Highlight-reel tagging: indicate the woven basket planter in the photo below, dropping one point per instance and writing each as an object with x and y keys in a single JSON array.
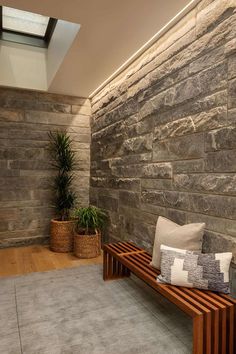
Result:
[
  {"x": 61, "y": 235},
  {"x": 87, "y": 246}
]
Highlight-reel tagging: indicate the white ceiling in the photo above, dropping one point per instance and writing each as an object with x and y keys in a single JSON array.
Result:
[{"x": 111, "y": 31}]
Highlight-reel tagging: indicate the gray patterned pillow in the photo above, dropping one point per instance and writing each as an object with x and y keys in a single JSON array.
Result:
[{"x": 209, "y": 271}]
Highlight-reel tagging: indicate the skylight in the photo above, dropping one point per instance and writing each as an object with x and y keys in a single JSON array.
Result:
[
  {"x": 25, "y": 27},
  {"x": 24, "y": 22}
]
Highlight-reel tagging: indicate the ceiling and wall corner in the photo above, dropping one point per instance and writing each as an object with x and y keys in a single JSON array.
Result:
[{"x": 111, "y": 35}]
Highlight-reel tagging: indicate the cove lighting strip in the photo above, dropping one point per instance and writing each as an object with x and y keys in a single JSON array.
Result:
[{"x": 147, "y": 45}]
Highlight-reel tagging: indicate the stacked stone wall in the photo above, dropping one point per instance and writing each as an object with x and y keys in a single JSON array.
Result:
[
  {"x": 26, "y": 171},
  {"x": 164, "y": 133}
]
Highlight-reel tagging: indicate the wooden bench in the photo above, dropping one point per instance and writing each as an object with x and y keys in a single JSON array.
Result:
[{"x": 213, "y": 314}]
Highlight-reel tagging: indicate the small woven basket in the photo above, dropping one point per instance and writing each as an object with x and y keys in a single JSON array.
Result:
[
  {"x": 62, "y": 234},
  {"x": 87, "y": 246}
]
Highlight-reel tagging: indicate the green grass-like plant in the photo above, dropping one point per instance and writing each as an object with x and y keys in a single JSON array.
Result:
[
  {"x": 63, "y": 156},
  {"x": 90, "y": 220}
]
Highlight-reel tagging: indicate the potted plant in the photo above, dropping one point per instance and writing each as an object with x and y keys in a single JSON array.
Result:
[
  {"x": 87, "y": 240},
  {"x": 63, "y": 160}
]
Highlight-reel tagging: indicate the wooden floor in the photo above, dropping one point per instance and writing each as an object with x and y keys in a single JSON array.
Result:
[{"x": 37, "y": 258}]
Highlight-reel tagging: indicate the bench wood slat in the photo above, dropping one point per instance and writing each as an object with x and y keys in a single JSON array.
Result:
[
  {"x": 142, "y": 266},
  {"x": 138, "y": 250},
  {"x": 140, "y": 261}
]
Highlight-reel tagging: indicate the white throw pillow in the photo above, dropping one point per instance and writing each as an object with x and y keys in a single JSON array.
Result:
[{"x": 188, "y": 237}]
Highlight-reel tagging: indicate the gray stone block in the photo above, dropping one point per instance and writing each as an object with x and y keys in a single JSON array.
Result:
[
  {"x": 107, "y": 202},
  {"x": 214, "y": 78},
  {"x": 201, "y": 104},
  {"x": 184, "y": 91},
  {"x": 186, "y": 147},
  {"x": 59, "y": 118},
  {"x": 30, "y": 165},
  {"x": 157, "y": 170},
  {"x": 138, "y": 145},
  {"x": 144, "y": 216},
  {"x": 137, "y": 230},
  {"x": 9, "y": 115},
  {"x": 163, "y": 79},
  {"x": 232, "y": 94},
  {"x": 178, "y": 216},
  {"x": 203, "y": 121},
  {"x": 207, "y": 60},
  {"x": 24, "y": 241},
  {"x": 230, "y": 48},
  {"x": 141, "y": 127},
  {"x": 205, "y": 82},
  {"x": 110, "y": 130},
  {"x": 98, "y": 182},
  {"x": 153, "y": 209},
  {"x": 129, "y": 198},
  {"x": 188, "y": 166},
  {"x": 232, "y": 66},
  {"x": 221, "y": 161},
  {"x": 156, "y": 184},
  {"x": 209, "y": 183},
  {"x": 144, "y": 232},
  {"x": 33, "y": 104},
  {"x": 131, "y": 159},
  {"x": 9, "y": 214},
  {"x": 214, "y": 205},
  {"x": 110, "y": 149},
  {"x": 93, "y": 196},
  {"x": 220, "y": 225},
  {"x": 216, "y": 242},
  {"x": 15, "y": 195},
  {"x": 221, "y": 139},
  {"x": 8, "y": 93},
  {"x": 25, "y": 182},
  {"x": 131, "y": 184},
  {"x": 153, "y": 198},
  {"x": 152, "y": 170}
]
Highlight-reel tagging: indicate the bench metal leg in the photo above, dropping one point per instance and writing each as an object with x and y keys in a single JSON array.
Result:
[{"x": 112, "y": 268}]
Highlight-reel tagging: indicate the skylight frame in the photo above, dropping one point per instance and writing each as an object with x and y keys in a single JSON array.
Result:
[{"x": 27, "y": 38}]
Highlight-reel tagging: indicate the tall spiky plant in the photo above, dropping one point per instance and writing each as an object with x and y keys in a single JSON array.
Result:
[{"x": 63, "y": 157}]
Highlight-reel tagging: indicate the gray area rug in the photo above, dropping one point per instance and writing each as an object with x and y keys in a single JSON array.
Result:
[{"x": 73, "y": 311}]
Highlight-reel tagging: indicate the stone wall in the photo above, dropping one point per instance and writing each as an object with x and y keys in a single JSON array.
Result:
[
  {"x": 164, "y": 133},
  {"x": 25, "y": 168}
]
